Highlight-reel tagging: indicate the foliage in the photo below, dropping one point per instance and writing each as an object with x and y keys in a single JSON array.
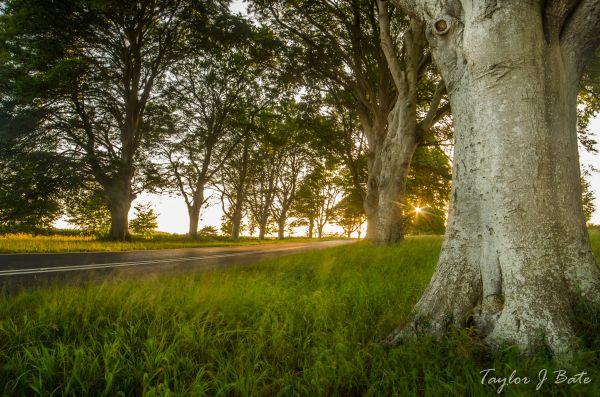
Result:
[
  {"x": 145, "y": 221},
  {"x": 428, "y": 187},
  {"x": 87, "y": 70},
  {"x": 303, "y": 325},
  {"x": 587, "y": 194},
  {"x": 209, "y": 101},
  {"x": 349, "y": 213},
  {"x": 33, "y": 187},
  {"x": 588, "y": 100},
  {"x": 88, "y": 212},
  {"x": 208, "y": 231},
  {"x": 317, "y": 196}
]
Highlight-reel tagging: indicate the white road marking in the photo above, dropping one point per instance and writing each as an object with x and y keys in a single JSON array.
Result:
[{"x": 55, "y": 269}]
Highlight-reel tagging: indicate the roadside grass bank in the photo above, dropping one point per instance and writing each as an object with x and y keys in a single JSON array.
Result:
[
  {"x": 307, "y": 324},
  {"x": 27, "y": 243}
]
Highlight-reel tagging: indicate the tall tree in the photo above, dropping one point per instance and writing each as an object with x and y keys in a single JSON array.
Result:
[
  {"x": 210, "y": 92},
  {"x": 349, "y": 213},
  {"x": 318, "y": 194},
  {"x": 296, "y": 155},
  {"x": 336, "y": 133},
  {"x": 339, "y": 43},
  {"x": 234, "y": 184},
  {"x": 90, "y": 68},
  {"x": 266, "y": 169},
  {"x": 517, "y": 259}
]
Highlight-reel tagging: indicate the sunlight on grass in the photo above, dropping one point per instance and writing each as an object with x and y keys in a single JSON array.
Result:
[
  {"x": 27, "y": 243},
  {"x": 306, "y": 324}
]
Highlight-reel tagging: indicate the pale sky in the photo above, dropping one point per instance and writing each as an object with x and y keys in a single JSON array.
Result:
[{"x": 238, "y": 6}]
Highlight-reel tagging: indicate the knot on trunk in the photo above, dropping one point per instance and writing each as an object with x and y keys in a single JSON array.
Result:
[{"x": 442, "y": 25}]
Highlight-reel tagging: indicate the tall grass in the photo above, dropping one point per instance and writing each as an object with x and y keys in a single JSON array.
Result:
[
  {"x": 306, "y": 325},
  {"x": 27, "y": 243}
]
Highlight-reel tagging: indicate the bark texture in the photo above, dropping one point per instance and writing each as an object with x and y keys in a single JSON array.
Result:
[
  {"x": 398, "y": 149},
  {"x": 516, "y": 259}
]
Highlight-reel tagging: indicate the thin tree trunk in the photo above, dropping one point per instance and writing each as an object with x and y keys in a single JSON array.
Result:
[
  {"x": 194, "y": 216},
  {"x": 371, "y": 202},
  {"x": 282, "y": 221},
  {"x": 516, "y": 260},
  {"x": 194, "y": 212},
  {"x": 281, "y": 230},
  {"x": 262, "y": 228},
  {"x": 236, "y": 221}
]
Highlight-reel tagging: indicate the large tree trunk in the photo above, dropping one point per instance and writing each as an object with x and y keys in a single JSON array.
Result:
[
  {"x": 516, "y": 260},
  {"x": 119, "y": 200},
  {"x": 282, "y": 221},
  {"x": 398, "y": 149},
  {"x": 194, "y": 215}
]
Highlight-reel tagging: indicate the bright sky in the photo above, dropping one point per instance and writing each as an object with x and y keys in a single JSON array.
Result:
[{"x": 238, "y": 6}]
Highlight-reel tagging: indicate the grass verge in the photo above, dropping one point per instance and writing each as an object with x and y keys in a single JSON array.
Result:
[
  {"x": 27, "y": 243},
  {"x": 305, "y": 325}
]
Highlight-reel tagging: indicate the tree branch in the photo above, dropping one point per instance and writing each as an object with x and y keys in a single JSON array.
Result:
[
  {"x": 434, "y": 113},
  {"x": 396, "y": 70},
  {"x": 580, "y": 35}
]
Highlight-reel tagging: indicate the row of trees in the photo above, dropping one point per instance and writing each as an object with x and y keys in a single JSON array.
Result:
[
  {"x": 127, "y": 96},
  {"x": 117, "y": 98}
]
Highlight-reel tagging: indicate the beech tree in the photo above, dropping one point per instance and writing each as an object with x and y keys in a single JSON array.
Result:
[
  {"x": 349, "y": 213},
  {"x": 265, "y": 172},
  {"x": 288, "y": 182},
  {"x": 318, "y": 194},
  {"x": 336, "y": 133},
  {"x": 210, "y": 93},
  {"x": 233, "y": 185},
  {"x": 91, "y": 68},
  {"x": 517, "y": 260},
  {"x": 342, "y": 44}
]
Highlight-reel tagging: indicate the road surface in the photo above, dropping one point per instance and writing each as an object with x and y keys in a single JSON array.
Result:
[{"x": 26, "y": 271}]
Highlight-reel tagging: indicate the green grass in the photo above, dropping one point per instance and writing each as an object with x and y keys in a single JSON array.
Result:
[
  {"x": 27, "y": 243},
  {"x": 306, "y": 325}
]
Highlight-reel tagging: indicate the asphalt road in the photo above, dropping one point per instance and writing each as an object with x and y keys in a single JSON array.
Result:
[{"x": 27, "y": 271}]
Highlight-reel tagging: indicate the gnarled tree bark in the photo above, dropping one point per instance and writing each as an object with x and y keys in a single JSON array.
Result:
[{"x": 516, "y": 258}]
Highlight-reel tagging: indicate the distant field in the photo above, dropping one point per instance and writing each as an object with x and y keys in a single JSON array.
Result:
[
  {"x": 302, "y": 325},
  {"x": 74, "y": 243}
]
